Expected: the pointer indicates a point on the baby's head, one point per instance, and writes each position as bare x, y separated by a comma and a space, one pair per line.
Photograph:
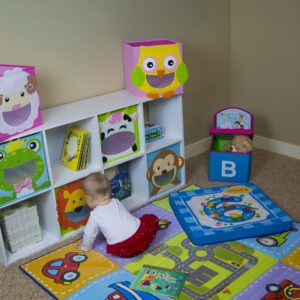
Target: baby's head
97, 189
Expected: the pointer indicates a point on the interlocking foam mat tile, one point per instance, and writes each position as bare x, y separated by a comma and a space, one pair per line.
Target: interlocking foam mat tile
262, 268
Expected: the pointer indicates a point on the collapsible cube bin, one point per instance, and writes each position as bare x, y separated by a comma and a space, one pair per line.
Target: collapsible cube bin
165, 169
154, 68
23, 168
72, 209
20, 225
19, 100
224, 165
119, 134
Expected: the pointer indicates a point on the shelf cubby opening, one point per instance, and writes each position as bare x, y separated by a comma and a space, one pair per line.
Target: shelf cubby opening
48, 225
56, 137
167, 113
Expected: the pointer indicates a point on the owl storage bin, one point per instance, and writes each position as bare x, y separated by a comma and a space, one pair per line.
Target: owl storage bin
154, 68
19, 100
225, 165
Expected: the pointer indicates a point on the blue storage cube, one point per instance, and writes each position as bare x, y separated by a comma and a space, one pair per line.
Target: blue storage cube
226, 166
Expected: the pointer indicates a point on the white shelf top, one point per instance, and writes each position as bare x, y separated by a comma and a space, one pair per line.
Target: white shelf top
162, 143
29, 196
82, 109
123, 160
62, 175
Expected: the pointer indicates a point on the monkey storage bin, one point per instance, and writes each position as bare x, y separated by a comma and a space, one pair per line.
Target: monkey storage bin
20, 225
154, 68
19, 100
165, 169
224, 165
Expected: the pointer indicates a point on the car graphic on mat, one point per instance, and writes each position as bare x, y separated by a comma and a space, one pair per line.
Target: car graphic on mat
64, 270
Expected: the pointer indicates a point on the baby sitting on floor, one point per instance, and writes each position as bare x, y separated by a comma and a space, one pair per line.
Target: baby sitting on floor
126, 235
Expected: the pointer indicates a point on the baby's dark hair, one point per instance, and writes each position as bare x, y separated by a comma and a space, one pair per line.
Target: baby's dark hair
96, 184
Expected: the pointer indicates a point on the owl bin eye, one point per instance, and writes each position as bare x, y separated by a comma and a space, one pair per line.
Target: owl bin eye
149, 64
170, 62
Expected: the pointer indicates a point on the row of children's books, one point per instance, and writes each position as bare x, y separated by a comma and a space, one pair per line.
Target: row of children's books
75, 149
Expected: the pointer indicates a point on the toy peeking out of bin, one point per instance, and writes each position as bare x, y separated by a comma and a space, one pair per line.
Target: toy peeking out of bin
231, 146
154, 68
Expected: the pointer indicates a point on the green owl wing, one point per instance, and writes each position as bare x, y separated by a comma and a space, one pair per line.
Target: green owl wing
182, 73
137, 76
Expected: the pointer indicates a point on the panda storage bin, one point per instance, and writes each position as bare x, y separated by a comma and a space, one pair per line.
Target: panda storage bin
230, 166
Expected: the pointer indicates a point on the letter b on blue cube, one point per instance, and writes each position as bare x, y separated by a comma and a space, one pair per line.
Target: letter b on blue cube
224, 166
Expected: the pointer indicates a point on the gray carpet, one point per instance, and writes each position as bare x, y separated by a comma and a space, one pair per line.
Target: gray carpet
277, 175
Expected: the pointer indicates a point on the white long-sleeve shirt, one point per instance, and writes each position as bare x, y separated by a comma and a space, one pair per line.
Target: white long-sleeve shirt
114, 221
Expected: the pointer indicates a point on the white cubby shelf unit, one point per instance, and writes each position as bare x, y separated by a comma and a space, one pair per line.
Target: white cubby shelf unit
84, 113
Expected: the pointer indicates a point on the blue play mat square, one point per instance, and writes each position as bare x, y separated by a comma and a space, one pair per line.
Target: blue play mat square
224, 213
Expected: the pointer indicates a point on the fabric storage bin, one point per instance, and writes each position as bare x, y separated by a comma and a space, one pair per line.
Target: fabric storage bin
20, 226
154, 68
19, 100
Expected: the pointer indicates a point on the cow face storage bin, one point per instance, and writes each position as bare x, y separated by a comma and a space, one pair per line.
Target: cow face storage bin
154, 68
227, 160
19, 100
119, 134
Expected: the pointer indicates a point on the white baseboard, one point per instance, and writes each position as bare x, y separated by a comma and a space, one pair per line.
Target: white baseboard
197, 147
277, 146
259, 142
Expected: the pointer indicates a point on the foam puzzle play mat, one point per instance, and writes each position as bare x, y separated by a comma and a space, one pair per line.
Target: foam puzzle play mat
225, 213
265, 267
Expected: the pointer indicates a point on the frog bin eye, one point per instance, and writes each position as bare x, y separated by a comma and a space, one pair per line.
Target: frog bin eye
33, 145
2, 155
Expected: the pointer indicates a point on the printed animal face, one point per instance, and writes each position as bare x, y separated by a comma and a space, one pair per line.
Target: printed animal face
163, 171
15, 100
158, 66
19, 102
117, 134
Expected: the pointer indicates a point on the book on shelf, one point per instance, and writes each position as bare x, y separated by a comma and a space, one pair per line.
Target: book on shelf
153, 132
159, 280
119, 180
75, 148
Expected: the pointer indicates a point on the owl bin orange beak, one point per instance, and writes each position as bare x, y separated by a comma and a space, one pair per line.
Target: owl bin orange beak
160, 73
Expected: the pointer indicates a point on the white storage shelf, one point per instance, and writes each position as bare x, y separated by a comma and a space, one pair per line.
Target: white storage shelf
56, 120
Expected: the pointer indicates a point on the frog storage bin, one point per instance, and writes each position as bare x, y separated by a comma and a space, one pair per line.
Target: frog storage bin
224, 165
23, 168
19, 100
154, 68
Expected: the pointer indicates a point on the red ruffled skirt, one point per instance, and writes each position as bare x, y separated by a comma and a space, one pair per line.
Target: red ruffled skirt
138, 242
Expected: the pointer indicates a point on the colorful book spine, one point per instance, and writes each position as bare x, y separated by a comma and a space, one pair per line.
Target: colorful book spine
153, 132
